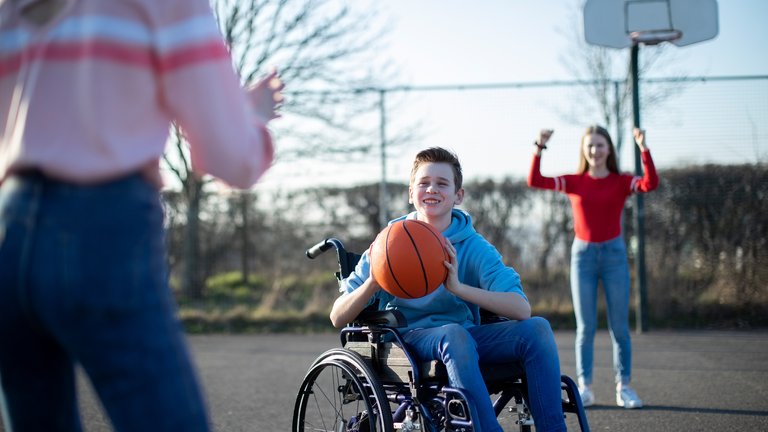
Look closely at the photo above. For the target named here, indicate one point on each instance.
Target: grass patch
(300, 304)
(241, 319)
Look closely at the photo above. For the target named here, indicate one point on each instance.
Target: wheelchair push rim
(341, 394)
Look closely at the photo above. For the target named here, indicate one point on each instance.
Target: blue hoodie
(479, 265)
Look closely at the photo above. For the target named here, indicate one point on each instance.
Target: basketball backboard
(622, 23)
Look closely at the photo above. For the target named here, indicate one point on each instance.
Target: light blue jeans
(83, 280)
(606, 262)
(529, 343)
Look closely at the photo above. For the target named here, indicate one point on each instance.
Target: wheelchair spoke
(336, 396)
(334, 401)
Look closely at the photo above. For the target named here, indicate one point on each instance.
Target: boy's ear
(410, 191)
(459, 196)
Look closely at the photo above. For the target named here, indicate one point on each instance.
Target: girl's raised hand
(639, 135)
(544, 136)
(452, 283)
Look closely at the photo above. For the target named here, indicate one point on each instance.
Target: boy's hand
(374, 285)
(452, 283)
(510, 305)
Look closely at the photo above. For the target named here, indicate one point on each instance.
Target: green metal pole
(383, 210)
(641, 309)
(619, 123)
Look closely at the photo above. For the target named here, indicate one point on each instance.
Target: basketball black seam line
(389, 265)
(445, 253)
(421, 261)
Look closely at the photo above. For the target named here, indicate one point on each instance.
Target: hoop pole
(383, 206)
(641, 306)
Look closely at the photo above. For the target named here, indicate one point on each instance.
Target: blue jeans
(83, 280)
(530, 343)
(606, 261)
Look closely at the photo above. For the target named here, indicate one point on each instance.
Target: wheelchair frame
(372, 384)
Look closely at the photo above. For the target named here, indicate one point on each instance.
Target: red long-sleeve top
(597, 203)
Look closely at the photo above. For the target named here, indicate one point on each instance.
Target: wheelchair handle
(323, 246)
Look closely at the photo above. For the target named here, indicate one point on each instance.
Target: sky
(451, 42)
(522, 40)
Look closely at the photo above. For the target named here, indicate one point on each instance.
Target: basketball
(407, 259)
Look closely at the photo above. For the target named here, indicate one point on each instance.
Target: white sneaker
(587, 397)
(627, 398)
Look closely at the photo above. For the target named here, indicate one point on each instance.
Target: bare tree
(318, 46)
(606, 95)
(555, 233)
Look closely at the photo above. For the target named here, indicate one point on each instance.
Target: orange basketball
(407, 259)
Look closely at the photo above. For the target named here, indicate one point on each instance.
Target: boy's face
(433, 190)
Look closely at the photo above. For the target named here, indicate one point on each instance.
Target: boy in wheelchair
(444, 325)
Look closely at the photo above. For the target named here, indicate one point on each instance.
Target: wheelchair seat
(390, 360)
(386, 357)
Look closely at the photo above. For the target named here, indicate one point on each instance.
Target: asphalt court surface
(689, 380)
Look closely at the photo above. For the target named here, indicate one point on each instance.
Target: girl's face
(596, 150)
(433, 190)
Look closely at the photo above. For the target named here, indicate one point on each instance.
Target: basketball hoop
(655, 37)
(627, 23)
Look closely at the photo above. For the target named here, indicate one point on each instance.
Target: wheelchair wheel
(340, 393)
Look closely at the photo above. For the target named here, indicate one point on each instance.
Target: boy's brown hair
(439, 155)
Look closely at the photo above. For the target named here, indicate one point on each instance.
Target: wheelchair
(373, 384)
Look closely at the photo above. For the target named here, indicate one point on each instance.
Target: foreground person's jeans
(83, 280)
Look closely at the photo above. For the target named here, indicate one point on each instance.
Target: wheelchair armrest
(386, 318)
(488, 317)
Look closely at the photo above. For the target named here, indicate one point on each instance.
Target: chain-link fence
(706, 226)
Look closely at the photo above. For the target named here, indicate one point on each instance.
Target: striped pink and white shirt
(90, 96)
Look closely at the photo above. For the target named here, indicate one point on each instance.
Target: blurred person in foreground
(88, 90)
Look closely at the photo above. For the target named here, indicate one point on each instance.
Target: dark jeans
(83, 280)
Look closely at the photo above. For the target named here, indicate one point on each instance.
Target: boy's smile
(433, 193)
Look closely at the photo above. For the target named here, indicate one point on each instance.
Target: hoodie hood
(460, 229)
(479, 265)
